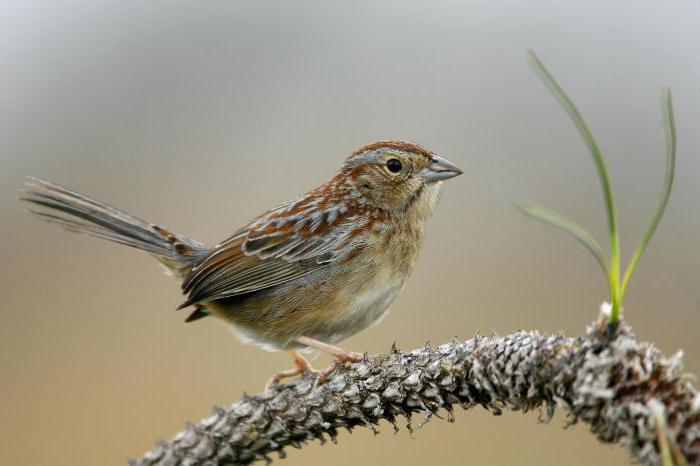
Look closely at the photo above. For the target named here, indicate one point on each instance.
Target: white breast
(374, 302)
(365, 307)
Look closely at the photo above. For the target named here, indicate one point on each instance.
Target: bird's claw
(349, 357)
(342, 358)
(278, 377)
(303, 367)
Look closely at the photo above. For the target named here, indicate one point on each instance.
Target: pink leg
(339, 353)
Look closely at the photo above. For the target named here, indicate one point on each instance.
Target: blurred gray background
(200, 115)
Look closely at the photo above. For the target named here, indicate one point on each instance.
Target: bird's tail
(78, 213)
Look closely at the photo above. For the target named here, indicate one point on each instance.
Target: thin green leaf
(665, 192)
(568, 226)
(578, 120)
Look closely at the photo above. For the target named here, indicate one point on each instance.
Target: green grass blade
(578, 120)
(665, 192)
(573, 112)
(568, 226)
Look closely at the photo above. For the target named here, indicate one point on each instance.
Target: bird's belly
(330, 310)
(373, 303)
(361, 310)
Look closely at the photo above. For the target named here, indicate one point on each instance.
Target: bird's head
(395, 175)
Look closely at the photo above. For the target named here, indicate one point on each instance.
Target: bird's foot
(342, 357)
(349, 357)
(302, 366)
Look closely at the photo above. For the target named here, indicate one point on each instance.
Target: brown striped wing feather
(297, 238)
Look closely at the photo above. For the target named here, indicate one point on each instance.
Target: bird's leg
(302, 366)
(341, 356)
(338, 353)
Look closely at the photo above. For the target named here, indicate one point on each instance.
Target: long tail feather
(78, 213)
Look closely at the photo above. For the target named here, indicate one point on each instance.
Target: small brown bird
(306, 274)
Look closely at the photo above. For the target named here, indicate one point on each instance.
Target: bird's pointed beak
(440, 169)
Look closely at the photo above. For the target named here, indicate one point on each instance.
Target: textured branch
(617, 385)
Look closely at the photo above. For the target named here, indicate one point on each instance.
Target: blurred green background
(200, 115)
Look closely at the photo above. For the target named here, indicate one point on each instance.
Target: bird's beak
(440, 169)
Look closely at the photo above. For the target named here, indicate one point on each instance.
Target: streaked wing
(287, 243)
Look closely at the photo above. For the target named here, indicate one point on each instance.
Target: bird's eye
(394, 165)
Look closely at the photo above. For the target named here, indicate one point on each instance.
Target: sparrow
(307, 274)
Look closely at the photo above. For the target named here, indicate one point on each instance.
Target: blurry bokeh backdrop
(200, 115)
